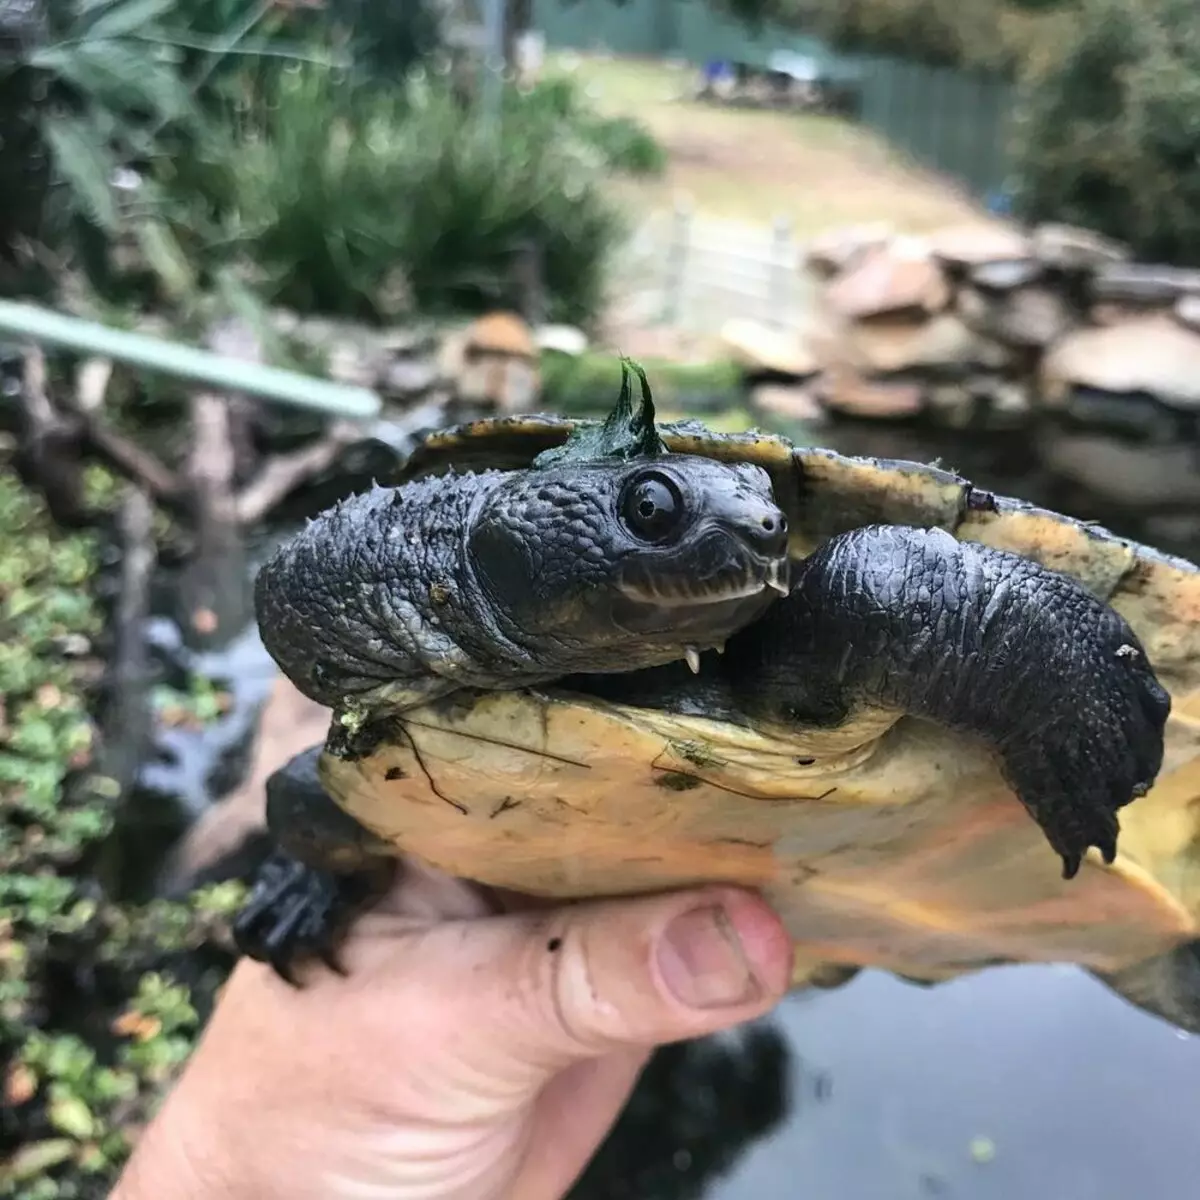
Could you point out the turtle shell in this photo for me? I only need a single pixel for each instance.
(886, 842)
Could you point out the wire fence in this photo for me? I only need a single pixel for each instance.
(697, 272)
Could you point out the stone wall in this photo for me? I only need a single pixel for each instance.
(985, 326)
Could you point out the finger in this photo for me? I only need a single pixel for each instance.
(531, 993)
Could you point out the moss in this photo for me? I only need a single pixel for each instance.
(93, 1023)
(585, 384)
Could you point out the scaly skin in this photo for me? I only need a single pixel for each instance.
(981, 641)
(505, 579)
(973, 638)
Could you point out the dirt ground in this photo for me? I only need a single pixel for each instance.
(817, 171)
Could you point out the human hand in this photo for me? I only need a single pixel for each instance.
(474, 1050)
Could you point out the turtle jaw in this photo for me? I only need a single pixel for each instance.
(720, 588)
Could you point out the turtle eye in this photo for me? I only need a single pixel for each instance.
(652, 507)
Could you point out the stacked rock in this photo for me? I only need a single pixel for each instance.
(981, 326)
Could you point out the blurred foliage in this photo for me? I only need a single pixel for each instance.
(1108, 131)
(294, 154)
(354, 200)
(583, 385)
(92, 1022)
(989, 35)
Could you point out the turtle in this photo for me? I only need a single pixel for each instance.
(938, 728)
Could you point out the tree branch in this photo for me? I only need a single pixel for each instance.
(285, 472)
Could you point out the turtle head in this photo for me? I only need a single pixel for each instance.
(614, 554)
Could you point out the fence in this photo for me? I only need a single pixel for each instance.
(687, 29)
(697, 272)
(948, 121)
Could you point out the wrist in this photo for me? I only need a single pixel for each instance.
(180, 1155)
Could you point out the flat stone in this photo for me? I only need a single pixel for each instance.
(1153, 354)
(1143, 283)
(565, 339)
(759, 347)
(978, 244)
(834, 251)
(407, 377)
(1029, 316)
(841, 389)
(1006, 274)
(786, 400)
(1071, 248)
(1187, 312)
(951, 405)
(890, 279)
(500, 333)
(501, 381)
(884, 346)
(1137, 478)
(1111, 313)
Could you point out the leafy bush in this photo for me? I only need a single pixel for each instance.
(92, 1023)
(1108, 131)
(990, 35)
(357, 201)
(624, 144)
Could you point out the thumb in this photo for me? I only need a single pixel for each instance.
(538, 991)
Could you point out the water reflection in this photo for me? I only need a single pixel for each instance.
(1025, 1082)
(697, 1108)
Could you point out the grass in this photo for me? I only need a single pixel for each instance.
(753, 166)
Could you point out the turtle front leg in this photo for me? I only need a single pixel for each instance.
(983, 642)
(325, 870)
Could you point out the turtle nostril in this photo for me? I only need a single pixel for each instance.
(768, 535)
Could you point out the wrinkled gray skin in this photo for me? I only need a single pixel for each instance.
(973, 638)
(505, 579)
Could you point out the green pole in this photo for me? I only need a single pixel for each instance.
(187, 362)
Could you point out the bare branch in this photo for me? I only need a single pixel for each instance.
(136, 464)
(283, 473)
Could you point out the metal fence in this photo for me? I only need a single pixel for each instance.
(696, 273)
(687, 29)
(948, 121)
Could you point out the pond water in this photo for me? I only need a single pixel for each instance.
(1019, 1083)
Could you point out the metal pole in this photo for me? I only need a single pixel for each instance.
(780, 279)
(186, 362)
(493, 56)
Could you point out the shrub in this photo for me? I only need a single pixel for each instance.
(354, 201)
(1108, 132)
(623, 143)
(93, 1023)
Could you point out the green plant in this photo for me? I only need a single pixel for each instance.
(92, 1025)
(623, 143)
(94, 93)
(1108, 132)
(357, 201)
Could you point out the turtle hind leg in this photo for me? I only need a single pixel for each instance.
(324, 871)
(980, 641)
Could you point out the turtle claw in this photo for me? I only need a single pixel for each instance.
(1076, 778)
(297, 912)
